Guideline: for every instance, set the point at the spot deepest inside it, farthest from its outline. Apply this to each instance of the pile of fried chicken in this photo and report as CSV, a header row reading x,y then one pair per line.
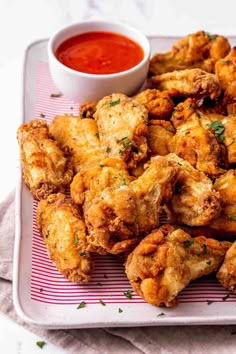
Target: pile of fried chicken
x,y
126,160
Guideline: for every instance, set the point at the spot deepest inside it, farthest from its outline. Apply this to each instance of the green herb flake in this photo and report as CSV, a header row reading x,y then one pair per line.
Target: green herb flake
x,y
233,217
97,135
120,310
42,115
40,344
113,103
225,60
128,294
81,305
189,106
218,128
188,243
161,314
102,303
101,165
123,183
108,149
209,302
124,138
59,94
225,297
76,240
170,129
82,254
211,37
204,248
180,164
208,262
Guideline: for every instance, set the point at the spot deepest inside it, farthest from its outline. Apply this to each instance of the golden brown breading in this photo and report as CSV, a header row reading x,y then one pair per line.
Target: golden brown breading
x,y
122,125
87,109
46,170
225,185
194,202
160,132
197,50
80,138
153,189
166,261
225,69
194,83
194,141
227,272
64,234
158,103
229,141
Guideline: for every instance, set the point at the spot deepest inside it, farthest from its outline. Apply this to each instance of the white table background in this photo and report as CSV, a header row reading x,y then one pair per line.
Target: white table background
x,y
24,21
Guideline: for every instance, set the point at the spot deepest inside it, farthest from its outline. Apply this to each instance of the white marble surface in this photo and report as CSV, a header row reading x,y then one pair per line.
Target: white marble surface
x,y
22,22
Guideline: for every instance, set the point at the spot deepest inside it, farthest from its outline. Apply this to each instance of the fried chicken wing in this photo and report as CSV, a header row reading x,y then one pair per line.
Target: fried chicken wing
x,y
160,132
195,201
64,234
225,69
195,83
167,260
117,216
158,103
229,124
46,169
195,141
80,138
225,185
227,272
197,50
122,125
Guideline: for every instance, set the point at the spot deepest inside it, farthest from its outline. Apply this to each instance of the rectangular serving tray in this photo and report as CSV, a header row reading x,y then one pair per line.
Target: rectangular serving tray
x,y
60,314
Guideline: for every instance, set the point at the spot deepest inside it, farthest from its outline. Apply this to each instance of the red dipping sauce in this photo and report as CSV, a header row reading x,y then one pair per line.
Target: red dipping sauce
x,y
99,53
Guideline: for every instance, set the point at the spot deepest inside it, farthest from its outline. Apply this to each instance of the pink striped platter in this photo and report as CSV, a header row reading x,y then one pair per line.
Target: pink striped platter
x,y
42,296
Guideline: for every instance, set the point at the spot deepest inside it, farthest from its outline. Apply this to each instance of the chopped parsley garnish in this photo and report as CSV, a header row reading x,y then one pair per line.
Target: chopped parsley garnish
x,y
113,103
219,128
102,303
108,149
125,144
204,248
209,302
188,243
208,262
82,254
161,314
123,183
59,94
233,217
97,135
40,344
76,240
225,60
128,294
180,164
101,165
42,115
170,129
189,106
225,297
211,37
81,305
120,310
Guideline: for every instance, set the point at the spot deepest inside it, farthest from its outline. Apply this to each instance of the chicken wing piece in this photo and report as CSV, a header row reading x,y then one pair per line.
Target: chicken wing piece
x,y
158,103
64,234
80,138
153,189
117,216
167,260
197,50
195,83
196,140
229,124
122,125
225,69
195,201
87,109
46,169
227,272
225,185
160,132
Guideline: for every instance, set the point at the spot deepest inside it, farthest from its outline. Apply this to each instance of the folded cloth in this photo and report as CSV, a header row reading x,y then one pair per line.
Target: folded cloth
x,y
148,340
